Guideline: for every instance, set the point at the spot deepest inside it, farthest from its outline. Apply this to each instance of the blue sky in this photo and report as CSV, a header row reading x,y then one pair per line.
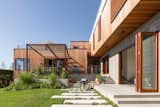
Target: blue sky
x,y
33,21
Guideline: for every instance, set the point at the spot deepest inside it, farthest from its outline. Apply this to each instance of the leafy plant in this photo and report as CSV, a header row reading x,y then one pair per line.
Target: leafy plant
x,y
45,85
37,71
10,87
64,74
99,77
52,79
26,78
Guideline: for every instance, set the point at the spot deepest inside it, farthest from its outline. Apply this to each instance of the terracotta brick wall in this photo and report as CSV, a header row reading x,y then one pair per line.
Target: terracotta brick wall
x,y
35,59
79,55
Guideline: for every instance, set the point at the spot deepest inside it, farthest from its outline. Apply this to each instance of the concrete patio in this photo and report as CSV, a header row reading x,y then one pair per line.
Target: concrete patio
x,y
126,96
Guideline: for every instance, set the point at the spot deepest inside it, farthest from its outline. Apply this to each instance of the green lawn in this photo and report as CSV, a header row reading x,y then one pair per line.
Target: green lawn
x,y
29,98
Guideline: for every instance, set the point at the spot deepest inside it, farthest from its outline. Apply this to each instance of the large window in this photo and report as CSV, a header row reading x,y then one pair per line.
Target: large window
x,y
21,64
147,61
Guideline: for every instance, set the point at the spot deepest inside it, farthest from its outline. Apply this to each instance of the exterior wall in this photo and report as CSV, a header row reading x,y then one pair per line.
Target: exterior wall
x,y
80,55
114,68
151,25
35,59
108,27
81,45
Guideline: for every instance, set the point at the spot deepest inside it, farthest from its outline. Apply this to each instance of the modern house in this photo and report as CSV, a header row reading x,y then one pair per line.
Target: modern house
x,y
48,56
125,38
123,45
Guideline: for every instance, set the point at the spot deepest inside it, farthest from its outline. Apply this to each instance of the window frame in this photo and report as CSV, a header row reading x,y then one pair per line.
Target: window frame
x,y
24,64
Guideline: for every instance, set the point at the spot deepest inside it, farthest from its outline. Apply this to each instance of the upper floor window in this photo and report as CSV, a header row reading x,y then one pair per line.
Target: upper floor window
x,y
76,47
93,41
21,64
99,29
116,6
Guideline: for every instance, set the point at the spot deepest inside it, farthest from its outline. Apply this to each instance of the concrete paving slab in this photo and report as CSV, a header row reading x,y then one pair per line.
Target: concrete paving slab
x,y
81,91
79,94
85,102
76,97
62,105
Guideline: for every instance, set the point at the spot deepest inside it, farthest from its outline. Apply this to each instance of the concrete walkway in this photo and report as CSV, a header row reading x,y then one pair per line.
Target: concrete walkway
x,y
77,98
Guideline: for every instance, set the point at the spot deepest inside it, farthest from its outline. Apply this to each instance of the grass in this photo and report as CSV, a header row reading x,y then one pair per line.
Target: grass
x,y
108,101
29,98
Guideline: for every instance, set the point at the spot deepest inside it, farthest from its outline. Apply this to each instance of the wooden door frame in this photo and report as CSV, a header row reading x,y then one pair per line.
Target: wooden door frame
x,y
104,66
120,68
139,53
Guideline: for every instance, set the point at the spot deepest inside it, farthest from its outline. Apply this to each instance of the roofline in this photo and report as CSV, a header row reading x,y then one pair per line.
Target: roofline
x,y
19,48
79,41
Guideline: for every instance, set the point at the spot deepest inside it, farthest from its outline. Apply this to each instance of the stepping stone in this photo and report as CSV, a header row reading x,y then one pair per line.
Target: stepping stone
x,y
81,91
79,94
62,105
85,102
76,97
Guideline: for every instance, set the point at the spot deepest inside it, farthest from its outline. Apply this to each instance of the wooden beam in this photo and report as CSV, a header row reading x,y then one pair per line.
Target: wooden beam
x,y
36,51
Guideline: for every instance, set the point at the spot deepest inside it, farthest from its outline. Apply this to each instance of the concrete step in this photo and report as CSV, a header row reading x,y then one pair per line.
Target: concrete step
x,y
85,102
79,94
138,101
67,105
139,105
76,97
138,96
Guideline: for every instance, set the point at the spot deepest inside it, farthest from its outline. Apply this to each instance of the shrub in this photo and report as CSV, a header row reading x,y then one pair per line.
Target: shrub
x,y
26,78
10,87
52,79
45,85
19,85
64,75
36,85
37,71
58,85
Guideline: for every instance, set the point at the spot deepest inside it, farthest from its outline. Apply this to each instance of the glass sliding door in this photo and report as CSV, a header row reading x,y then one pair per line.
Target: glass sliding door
x,y
147,62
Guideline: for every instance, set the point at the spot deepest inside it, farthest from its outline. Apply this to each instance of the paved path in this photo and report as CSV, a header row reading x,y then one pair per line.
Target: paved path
x,y
77,98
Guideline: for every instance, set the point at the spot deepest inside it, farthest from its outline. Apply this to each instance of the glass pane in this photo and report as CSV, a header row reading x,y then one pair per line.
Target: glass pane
x,y
19,64
149,62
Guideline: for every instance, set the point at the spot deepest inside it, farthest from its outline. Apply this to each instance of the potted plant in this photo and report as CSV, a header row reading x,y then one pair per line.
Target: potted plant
x,y
98,79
